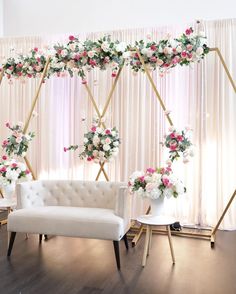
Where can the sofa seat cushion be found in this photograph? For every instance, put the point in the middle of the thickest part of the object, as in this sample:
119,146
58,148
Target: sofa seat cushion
95,223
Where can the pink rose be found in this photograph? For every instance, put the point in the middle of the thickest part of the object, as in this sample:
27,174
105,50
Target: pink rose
3,170
150,170
71,38
4,143
165,181
189,47
36,49
4,157
189,31
153,48
89,158
172,135
65,149
77,57
92,62
108,132
113,74
180,138
84,82
14,165
153,59
84,53
27,172
141,179
93,129
184,54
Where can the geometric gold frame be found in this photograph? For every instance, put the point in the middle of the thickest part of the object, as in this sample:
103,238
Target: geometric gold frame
101,115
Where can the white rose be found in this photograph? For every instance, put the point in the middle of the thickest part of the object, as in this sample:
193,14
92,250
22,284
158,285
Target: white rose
201,34
95,153
12,175
101,154
199,51
72,47
179,49
116,143
85,140
121,47
64,52
96,140
91,54
99,130
126,55
106,147
29,177
105,46
22,166
160,49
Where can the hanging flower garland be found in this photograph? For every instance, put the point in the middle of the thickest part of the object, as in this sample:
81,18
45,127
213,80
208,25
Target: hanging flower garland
78,57
18,142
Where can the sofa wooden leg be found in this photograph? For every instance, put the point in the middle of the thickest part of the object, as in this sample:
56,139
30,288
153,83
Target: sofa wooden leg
45,237
126,242
12,239
117,253
40,238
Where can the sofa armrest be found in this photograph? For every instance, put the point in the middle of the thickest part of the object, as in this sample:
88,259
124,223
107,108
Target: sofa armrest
123,205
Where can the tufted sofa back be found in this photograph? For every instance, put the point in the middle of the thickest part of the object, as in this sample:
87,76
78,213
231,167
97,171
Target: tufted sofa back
68,193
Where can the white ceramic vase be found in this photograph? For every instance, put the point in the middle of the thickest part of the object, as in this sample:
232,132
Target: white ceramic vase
157,206
9,190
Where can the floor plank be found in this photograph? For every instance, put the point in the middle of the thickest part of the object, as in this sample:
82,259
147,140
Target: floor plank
69,265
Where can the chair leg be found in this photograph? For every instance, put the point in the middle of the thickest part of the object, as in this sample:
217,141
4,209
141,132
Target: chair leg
126,242
40,238
117,253
12,239
45,237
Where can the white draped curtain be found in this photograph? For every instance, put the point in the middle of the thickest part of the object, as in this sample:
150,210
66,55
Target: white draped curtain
200,96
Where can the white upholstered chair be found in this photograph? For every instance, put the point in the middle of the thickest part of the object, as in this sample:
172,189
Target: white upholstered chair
84,209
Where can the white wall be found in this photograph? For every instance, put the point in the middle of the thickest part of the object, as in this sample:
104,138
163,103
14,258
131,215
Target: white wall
30,17
1,18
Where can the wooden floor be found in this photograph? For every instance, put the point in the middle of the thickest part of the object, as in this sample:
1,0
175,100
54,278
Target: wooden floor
67,265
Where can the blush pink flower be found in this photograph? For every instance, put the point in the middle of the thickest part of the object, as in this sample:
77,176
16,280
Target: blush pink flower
65,149
180,138
141,179
14,165
189,47
172,135
165,181
4,143
189,31
184,54
150,170
153,48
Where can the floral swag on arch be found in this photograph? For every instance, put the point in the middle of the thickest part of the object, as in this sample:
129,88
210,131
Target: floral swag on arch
78,57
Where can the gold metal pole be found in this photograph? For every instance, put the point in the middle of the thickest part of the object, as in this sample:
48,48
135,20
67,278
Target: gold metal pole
32,109
225,67
36,95
154,86
223,214
1,76
100,116
30,168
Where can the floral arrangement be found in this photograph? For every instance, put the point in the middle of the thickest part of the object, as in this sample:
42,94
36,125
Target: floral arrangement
77,57
100,144
30,65
18,142
178,142
80,57
11,171
168,53
155,183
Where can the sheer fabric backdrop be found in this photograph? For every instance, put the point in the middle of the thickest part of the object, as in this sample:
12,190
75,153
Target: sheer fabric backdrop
200,96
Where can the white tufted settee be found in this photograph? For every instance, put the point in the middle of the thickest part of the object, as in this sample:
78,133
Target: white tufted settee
97,210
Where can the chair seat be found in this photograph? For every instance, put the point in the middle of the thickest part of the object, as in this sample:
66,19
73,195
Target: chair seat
95,223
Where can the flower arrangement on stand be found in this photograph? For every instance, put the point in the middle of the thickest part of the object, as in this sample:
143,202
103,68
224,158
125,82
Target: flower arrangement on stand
10,172
100,145
178,143
18,142
156,183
